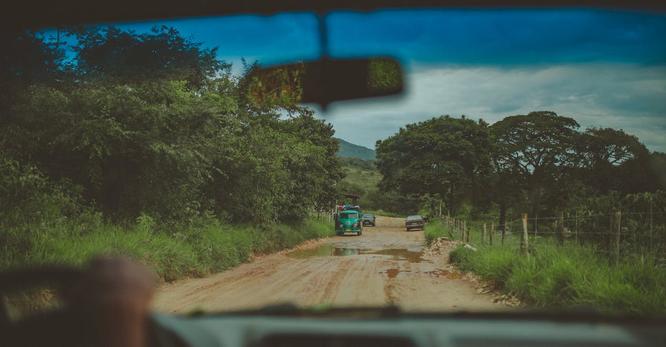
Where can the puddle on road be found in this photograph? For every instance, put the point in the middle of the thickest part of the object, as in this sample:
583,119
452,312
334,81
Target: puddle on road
400,254
324,251
392,273
332,250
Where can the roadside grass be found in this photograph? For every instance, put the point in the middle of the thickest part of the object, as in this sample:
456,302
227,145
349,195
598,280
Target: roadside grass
569,277
565,277
208,246
434,230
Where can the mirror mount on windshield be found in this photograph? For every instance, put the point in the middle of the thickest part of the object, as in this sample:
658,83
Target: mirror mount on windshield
327,80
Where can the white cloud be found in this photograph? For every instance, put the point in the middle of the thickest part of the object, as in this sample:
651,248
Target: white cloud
623,96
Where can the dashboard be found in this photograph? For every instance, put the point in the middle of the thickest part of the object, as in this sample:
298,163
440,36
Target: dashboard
259,331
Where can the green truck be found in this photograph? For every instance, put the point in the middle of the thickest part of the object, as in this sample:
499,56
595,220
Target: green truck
348,222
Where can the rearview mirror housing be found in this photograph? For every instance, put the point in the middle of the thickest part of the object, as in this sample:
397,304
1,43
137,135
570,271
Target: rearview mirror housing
327,80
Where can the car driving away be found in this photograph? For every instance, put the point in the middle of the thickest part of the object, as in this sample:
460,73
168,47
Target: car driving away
369,219
415,222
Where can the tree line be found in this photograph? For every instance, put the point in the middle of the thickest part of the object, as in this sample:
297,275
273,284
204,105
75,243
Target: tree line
125,123
541,163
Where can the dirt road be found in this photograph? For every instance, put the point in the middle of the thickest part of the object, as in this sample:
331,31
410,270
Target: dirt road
385,265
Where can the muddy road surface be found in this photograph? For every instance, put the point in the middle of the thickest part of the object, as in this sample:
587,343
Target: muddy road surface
386,265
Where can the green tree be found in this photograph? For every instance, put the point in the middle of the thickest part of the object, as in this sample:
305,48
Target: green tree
445,156
322,168
533,154
658,169
613,160
120,56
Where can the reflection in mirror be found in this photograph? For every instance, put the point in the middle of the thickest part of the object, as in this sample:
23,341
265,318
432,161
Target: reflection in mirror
325,81
31,302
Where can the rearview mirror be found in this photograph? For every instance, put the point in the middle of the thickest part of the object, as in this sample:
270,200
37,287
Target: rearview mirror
326,81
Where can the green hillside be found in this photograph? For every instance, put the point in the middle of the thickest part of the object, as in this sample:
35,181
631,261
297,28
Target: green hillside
350,150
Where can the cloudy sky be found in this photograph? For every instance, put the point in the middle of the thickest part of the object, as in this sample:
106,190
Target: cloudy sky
603,68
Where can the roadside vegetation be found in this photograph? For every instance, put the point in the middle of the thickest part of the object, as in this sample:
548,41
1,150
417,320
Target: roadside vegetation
146,144
570,277
560,277
200,248
435,230
593,202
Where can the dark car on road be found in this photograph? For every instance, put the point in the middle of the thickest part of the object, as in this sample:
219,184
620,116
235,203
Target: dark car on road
368,219
414,222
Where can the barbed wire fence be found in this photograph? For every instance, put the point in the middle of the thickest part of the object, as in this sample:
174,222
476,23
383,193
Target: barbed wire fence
616,235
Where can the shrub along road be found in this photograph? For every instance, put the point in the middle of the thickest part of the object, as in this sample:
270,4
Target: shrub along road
386,265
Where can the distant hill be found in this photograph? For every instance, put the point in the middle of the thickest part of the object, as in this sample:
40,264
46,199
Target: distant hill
350,150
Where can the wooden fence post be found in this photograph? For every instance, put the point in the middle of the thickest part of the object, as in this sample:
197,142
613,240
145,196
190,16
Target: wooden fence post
461,232
524,245
576,227
483,236
492,231
611,230
466,231
618,230
503,232
560,229
651,242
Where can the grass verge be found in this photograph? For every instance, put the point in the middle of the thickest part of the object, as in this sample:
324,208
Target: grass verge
434,230
204,248
569,277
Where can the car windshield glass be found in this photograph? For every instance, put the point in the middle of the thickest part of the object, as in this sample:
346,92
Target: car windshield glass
349,215
533,141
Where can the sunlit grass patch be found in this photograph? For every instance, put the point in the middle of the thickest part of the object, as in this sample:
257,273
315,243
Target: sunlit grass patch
567,277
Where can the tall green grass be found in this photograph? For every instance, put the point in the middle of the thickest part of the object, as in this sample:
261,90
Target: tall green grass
569,277
434,230
203,248
560,277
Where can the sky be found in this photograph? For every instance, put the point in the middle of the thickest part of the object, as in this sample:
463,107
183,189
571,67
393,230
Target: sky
603,68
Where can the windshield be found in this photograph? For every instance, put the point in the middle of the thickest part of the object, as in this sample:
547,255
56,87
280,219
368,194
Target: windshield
533,141
348,215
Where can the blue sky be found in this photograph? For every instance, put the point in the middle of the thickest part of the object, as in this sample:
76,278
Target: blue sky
603,68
